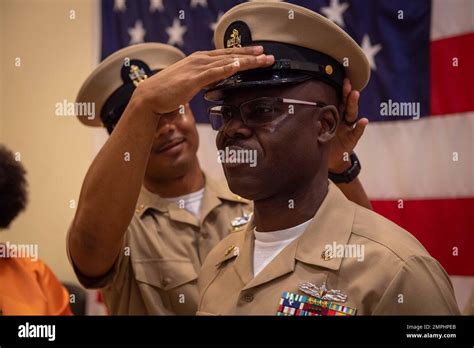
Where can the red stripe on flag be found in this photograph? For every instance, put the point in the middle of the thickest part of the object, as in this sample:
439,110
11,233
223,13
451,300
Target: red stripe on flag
440,225
451,86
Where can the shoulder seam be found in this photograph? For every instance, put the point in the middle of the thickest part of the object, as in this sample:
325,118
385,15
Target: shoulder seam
385,246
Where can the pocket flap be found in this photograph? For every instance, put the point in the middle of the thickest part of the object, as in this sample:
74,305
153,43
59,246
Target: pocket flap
201,313
164,274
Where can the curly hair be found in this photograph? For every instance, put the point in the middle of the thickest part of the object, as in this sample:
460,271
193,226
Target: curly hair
13,187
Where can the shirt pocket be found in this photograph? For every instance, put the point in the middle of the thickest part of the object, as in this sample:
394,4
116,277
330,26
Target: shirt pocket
169,285
164,274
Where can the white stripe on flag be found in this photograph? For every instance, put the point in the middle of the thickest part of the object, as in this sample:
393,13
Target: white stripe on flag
414,159
451,18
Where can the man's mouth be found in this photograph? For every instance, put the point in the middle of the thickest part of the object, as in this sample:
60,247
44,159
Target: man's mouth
236,145
237,154
169,144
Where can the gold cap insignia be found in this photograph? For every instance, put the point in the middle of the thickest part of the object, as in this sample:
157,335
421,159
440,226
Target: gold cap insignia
235,39
137,75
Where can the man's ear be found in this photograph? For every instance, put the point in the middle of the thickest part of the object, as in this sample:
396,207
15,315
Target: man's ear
329,119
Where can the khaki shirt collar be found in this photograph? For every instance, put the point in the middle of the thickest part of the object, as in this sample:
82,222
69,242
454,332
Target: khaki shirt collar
214,193
332,223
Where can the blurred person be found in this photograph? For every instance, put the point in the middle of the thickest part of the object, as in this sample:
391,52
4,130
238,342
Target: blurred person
27,285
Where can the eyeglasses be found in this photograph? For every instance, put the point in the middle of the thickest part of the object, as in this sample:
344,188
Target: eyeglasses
256,112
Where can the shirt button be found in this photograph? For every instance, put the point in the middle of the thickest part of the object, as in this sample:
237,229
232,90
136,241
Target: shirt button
166,281
248,297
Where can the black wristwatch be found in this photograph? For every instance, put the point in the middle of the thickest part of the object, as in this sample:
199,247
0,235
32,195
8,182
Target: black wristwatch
350,174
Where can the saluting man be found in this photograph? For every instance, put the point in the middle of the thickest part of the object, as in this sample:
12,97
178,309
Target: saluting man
148,215
289,261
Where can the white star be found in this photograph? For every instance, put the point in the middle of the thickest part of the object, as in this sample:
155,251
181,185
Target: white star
176,32
119,5
195,3
156,5
334,11
213,25
137,33
370,51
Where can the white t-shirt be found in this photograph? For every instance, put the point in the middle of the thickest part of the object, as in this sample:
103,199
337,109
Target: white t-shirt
269,244
191,202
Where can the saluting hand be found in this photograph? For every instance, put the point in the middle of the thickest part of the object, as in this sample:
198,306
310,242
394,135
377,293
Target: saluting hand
177,84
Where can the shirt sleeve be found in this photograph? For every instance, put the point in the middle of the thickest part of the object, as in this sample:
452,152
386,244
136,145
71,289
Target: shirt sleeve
116,273
469,309
421,287
57,297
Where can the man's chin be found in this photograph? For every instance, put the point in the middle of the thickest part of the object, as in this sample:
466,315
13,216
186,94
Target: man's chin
245,187
166,167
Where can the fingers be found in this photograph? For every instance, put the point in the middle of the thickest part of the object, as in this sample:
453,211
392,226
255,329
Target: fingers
350,99
219,64
228,67
352,107
240,61
210,60
252,50
248,63
204,60
359,129
346,89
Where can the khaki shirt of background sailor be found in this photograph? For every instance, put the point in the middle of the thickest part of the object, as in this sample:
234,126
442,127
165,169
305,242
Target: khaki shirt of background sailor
396,276
164,248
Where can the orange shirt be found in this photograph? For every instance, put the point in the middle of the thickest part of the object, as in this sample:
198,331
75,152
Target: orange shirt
29,287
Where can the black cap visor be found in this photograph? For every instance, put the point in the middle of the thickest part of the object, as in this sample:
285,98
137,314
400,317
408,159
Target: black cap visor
254,78
293,64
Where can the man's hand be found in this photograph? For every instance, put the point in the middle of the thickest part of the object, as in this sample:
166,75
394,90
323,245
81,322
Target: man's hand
349,132
179,83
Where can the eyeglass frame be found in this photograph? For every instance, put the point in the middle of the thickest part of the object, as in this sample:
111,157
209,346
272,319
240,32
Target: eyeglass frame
283,100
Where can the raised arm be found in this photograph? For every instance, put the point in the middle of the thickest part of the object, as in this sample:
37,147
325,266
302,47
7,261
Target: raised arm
112,185
348,134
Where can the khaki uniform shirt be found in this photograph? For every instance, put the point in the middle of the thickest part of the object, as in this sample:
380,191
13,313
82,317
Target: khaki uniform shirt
396,275
469,308
164,249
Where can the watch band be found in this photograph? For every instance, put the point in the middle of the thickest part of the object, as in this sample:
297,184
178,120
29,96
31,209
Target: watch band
348,175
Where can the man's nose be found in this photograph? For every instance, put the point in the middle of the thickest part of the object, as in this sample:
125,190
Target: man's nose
165,126
236,128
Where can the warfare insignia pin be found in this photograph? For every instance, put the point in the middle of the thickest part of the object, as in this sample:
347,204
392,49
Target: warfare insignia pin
322,292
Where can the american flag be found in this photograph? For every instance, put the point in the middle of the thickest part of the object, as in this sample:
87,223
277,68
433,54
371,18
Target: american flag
419,172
